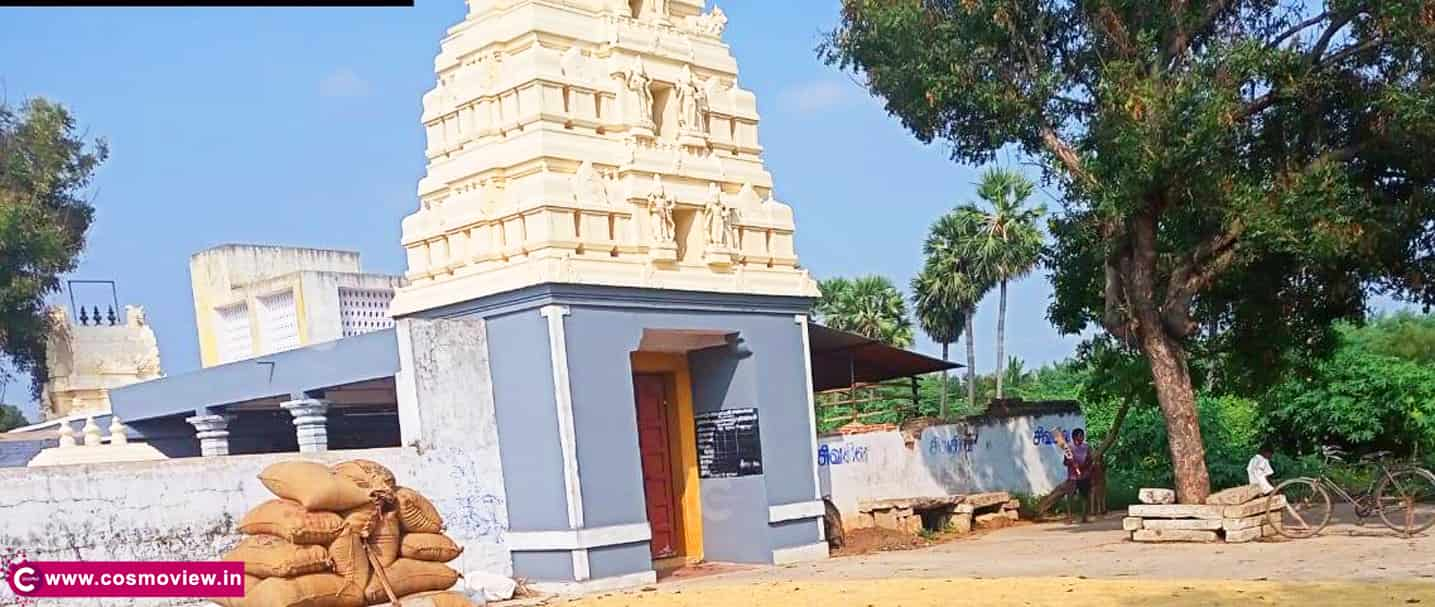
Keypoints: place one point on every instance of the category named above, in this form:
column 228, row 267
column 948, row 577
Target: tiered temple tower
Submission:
column 593, row 141
column 598, row 236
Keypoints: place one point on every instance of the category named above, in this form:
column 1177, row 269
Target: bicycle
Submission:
column 1403, row 496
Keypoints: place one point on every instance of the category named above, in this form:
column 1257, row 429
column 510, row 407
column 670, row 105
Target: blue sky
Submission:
column 300, row 126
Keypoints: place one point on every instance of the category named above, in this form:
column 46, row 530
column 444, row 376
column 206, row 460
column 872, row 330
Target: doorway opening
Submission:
column 667, row 444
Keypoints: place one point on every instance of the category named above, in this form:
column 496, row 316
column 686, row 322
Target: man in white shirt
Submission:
column 1259, row 468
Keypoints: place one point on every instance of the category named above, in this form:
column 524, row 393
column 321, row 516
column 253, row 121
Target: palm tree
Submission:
column 952, row 279
column 1005, row 241
column 869, row 306
column 939, row 317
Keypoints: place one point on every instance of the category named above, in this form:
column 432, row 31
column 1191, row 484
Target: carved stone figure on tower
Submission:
column 712, row 23
column 692, row 104
column 718, row 217
column 637, row 96
column 589, row 187
column 660, row 208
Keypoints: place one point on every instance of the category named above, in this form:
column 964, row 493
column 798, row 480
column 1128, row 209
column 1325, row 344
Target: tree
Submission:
column 1359, row 399
column 1235, row 174
column 955, row 280
column 939, row 318
column 1403, row 335
column 45, row 167
column 869, row 306
column 1006, row 240
column 11, row 418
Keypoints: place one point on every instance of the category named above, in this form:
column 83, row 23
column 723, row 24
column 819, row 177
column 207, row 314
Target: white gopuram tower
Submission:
column 601, row 142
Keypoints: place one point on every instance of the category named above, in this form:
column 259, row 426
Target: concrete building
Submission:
column 251, row 300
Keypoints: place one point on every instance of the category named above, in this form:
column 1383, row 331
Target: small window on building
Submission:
column 278, row 322
column 232, row 333
column 364, row 310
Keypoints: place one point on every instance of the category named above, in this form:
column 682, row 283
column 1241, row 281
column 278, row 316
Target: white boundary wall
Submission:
column 1014, row 454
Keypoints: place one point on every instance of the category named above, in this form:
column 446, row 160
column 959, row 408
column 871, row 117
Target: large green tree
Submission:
column 1004, row 239
column 46, row 166
column 1239, row 173
column 869, row 306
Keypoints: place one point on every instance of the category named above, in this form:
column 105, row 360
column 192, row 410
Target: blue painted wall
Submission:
column 520, row 362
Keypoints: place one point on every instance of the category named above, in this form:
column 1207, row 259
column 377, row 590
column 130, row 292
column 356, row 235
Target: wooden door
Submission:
column 654, row 444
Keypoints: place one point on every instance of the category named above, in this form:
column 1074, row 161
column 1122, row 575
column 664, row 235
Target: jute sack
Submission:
column 434, row 547
column 290, row 521
column 313, row 486
column 367, row 474
column 409, row 576
column 315, row 590
column 417, row 513
column 363, row 520
column 271, row 556
column 250, row 582
column 386, row 539
column 349, row 558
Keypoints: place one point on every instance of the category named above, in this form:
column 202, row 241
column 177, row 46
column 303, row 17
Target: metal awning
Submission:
column 841, row 359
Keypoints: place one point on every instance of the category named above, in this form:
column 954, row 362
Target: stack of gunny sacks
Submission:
column 343, row 537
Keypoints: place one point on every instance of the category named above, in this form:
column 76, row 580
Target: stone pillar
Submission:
column 213, row 434
column 310, row 423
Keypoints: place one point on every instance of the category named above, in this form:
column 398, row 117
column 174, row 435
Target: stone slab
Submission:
column 986, row 500
column 964, row 509
column 1012, row 514
column 1177, row 511
column 1254, row 507
column 863, row 520
column 1241, row 536
column 1131, row 523
column 960, row 523
column 910, row 503
column 1191, row 524
column 992, row 520
column 1232, row 524
column 887, row 519
column 1234, row 496
column 1174, row 535
column 1156, row 496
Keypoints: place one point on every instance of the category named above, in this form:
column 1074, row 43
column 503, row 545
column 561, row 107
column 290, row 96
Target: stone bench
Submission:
column 955, row 513
column 1233, row 516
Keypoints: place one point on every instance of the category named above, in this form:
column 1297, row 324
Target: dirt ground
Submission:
column 1088, row 564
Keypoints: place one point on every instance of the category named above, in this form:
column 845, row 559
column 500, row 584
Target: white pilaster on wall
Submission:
column 406, row 386
column 567, row 435
column 801, row 320
column 310, row 423
column 213, row 434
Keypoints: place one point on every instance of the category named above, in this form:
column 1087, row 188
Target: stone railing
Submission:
column 92, row 447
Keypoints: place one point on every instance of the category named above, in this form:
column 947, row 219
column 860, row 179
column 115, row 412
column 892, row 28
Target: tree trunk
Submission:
column 1167, row 358
column 944, row 383
column 1172, row 380
column 971, row 362
column 1001, row 338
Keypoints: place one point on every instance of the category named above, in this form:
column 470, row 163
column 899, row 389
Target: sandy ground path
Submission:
column 1082, row 565
column 1067, row 592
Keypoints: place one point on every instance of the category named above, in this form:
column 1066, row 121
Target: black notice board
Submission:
column 728, row 444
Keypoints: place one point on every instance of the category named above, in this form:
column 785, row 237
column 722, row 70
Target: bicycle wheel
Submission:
column 1406, row 500
column 1306, row 510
